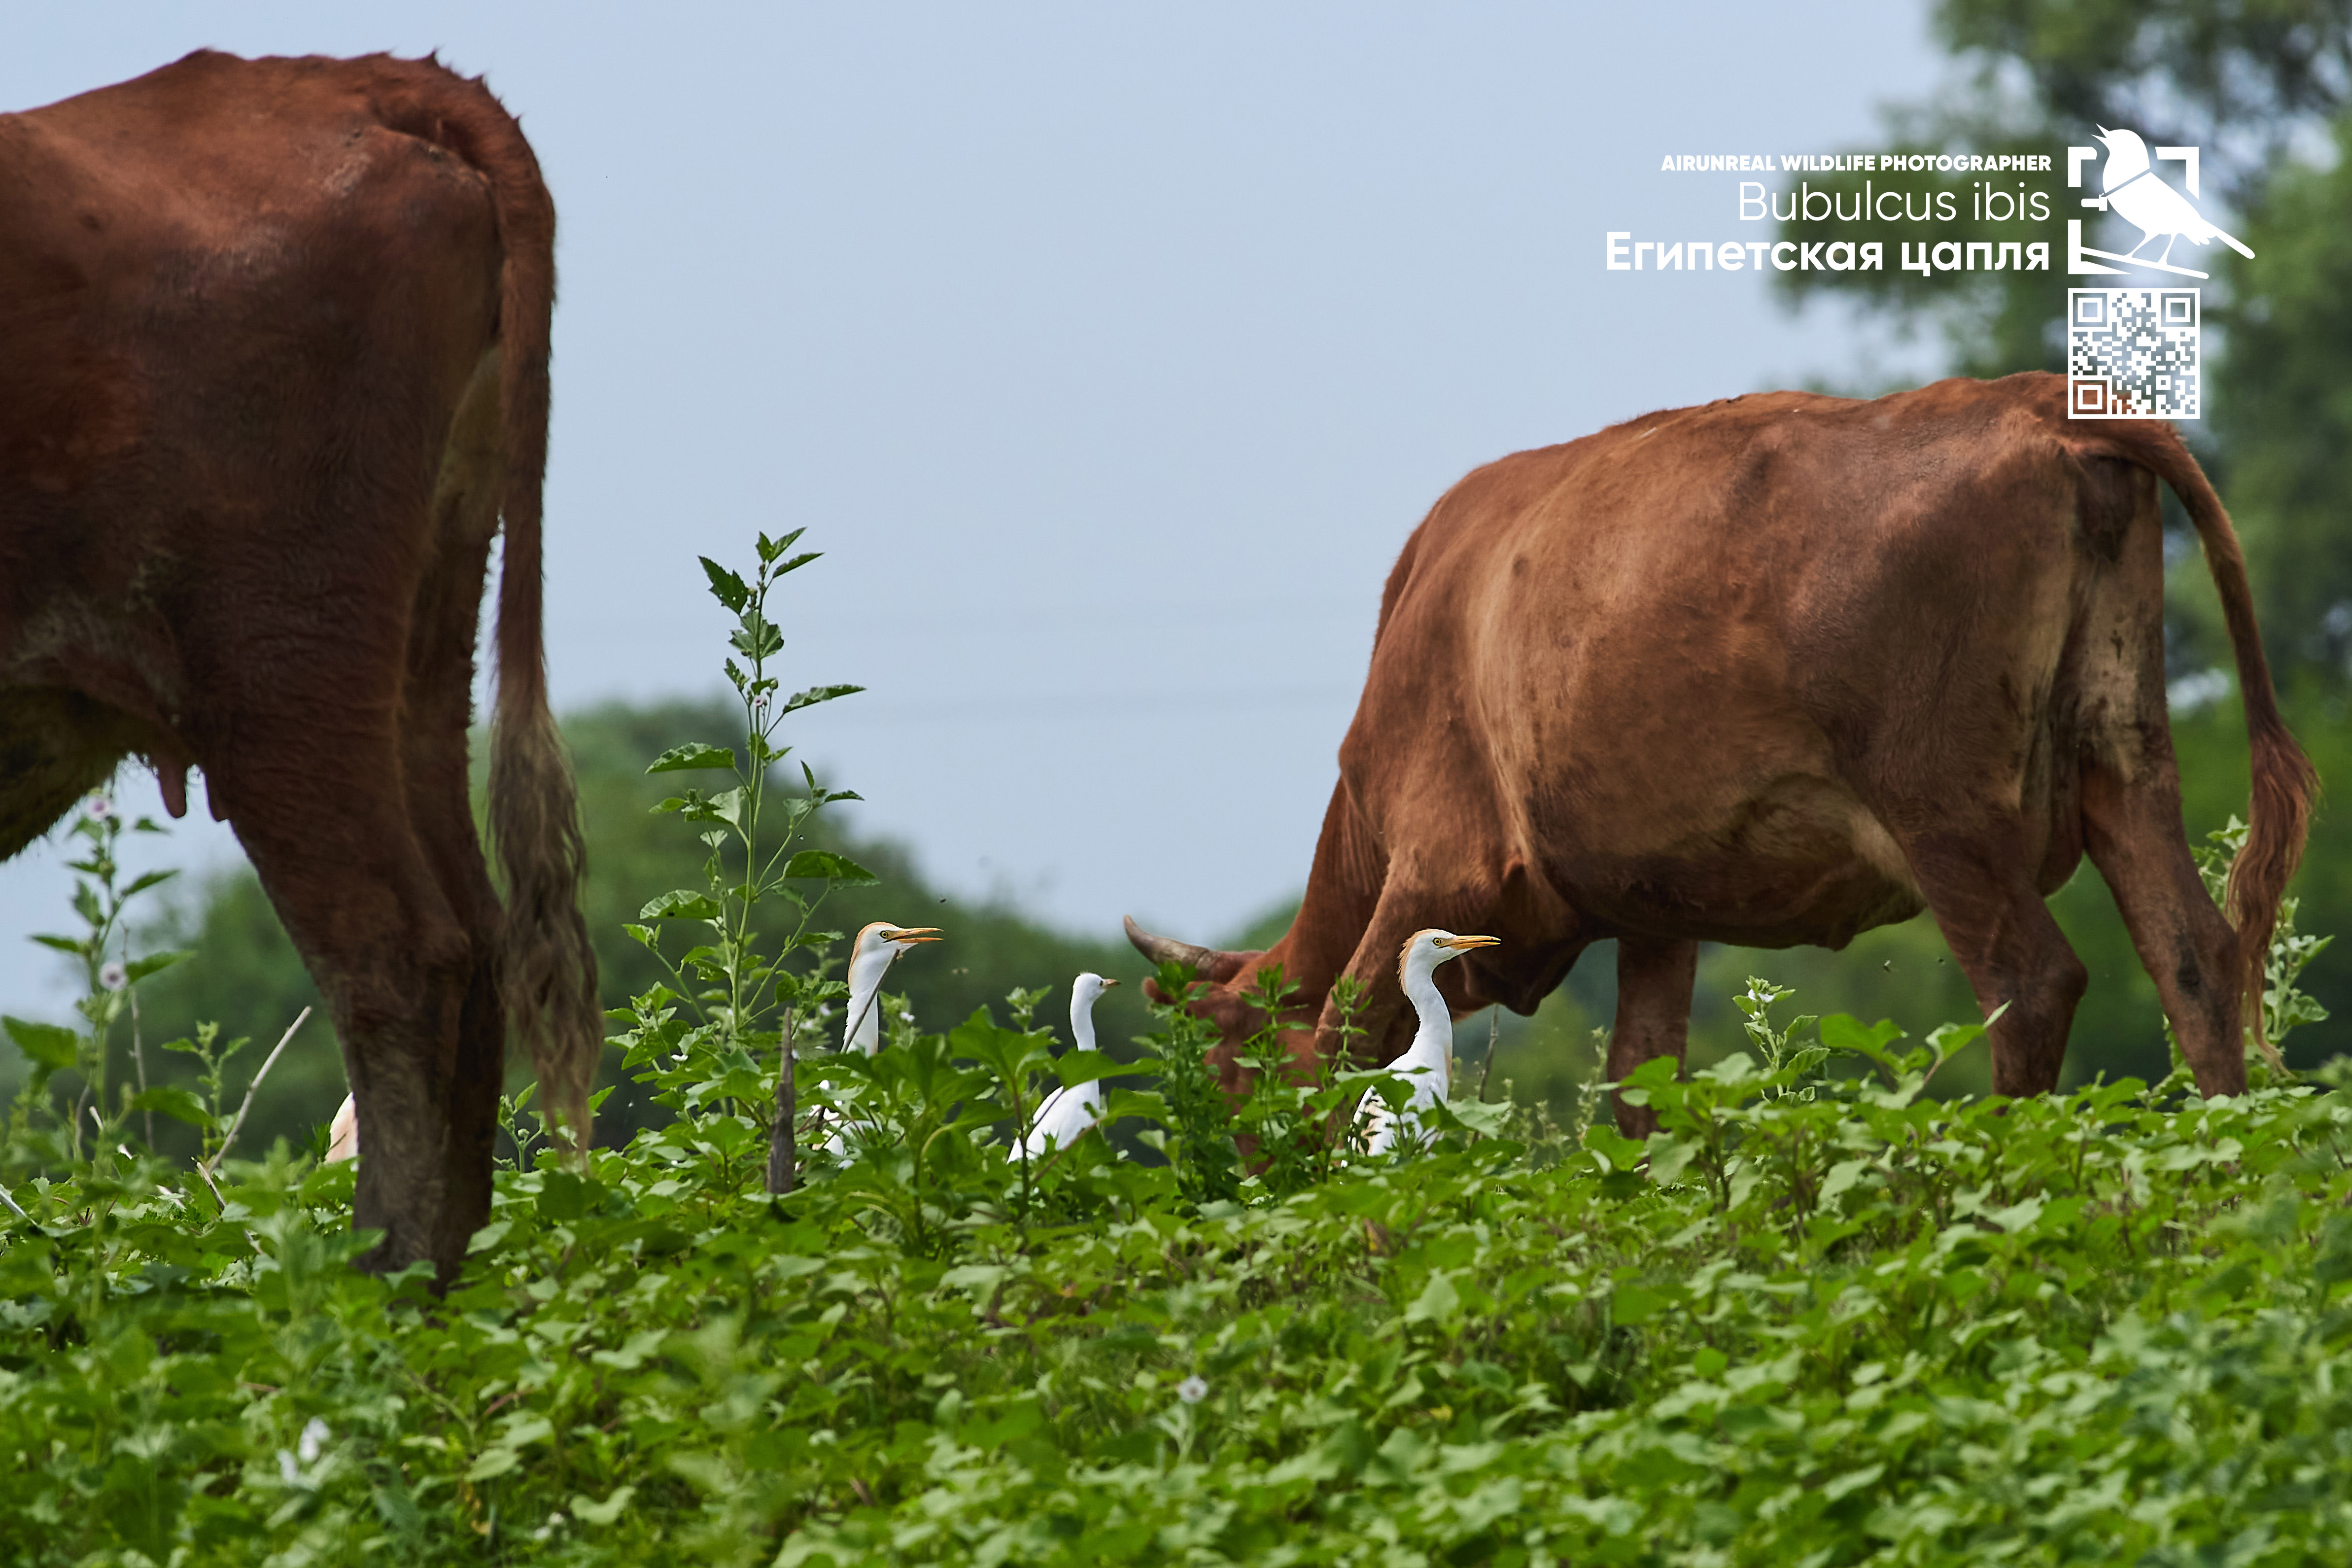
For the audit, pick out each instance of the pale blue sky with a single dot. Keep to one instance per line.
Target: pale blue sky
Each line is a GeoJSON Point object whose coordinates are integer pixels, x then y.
{"type": "Point", "coordinates": [1110, 352]}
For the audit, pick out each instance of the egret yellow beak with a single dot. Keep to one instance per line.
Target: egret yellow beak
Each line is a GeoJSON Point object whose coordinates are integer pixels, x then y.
{"type": "Point", "coordinates": [915, 933]}
{"type": "Point", "coordinates": [1108, 984]}
{"type": "Point", "coordinates": [1465, 944]}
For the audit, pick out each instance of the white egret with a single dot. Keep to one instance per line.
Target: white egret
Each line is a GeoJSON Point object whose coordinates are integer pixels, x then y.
{"type": "Point", "coordinates": [1425, 1062]}
{"type": "Point", "coordinates": [1068, 1111]}
{"type": "Point", "coordinates": [879, 946]}
{"type": "Point", "coordinates": [343, 1135]}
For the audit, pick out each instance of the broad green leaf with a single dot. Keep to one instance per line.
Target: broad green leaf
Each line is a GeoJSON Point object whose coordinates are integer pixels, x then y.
{"type": "Point", "coordinates": [1616, 1151]}
{"type": "Point", "coordinates": [1634, 1304]}
{"type": "Point", "coordinates": [725, 586]}
{"type": "Point", "coordinates": [565, 1196]}
{"type": "Point", "coordinates": [832, 868]}
{"type": "Point", "coordinates": [1439, 1302]}
{"type": "Point", "coordinates": [757, 637]}
{"type": "Point", "coordinates": [139, 968]}
{"type": "Point", "coordinates": [175, 1102]}
{"type": "Point", "coordinates": [815, 695]}
{"type": "Point", "coordinates": [494, 1462]}
{"type": "Point", "coordinates": [693, 754]}
{"type": "Point", "coordinates": [1485, 1119]}
{"type": "Point", "coordinates": [771, 548]}
{"type": "Point", "coordinates": [607, 1513]}
{"type": "Point", "coordinates": [1844, 1177]}
{"type": "Point", "coordinates": [1844, 1032]}
{"type": "Point", "coordinates": [1086, 1067]}
{"type": "Point", "coordinates": [1852, 1481]}
{"type": "Point", "coordinates": [48, 1044]}
{"type": "Point", "coordinates": [684, 904]}
{"type": "Point", "coordinates": [1670, 1156]}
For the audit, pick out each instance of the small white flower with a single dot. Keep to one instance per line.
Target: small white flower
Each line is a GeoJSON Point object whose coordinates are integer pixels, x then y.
{"type": "Point", "coordinates": [99, 807]}
{"type": "Point", "coordinates": [113, 976]}
{"type": "Point", "coordinates": [1193, 1389]}
{"type": "Point", "coordinates": [905, 1017]}
{"type": "Point", "coordinates": [313, 1437]}
{"type": "Point", "coordinates": [287, 1470]}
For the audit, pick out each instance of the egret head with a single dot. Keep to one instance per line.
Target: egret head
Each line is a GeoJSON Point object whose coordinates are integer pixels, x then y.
{"type": "Point", "coordinates": [1423, 950]}
{"type": "Point", "coordinates": [1087, 987]}
{"type": "Point", "coordinates": [880, 944]}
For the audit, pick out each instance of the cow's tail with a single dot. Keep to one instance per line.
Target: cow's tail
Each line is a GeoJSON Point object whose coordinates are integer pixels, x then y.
{"type": "Point", "coordinates": [2278, 815]}
{"type": "Point", "coordinates": [547, 969]}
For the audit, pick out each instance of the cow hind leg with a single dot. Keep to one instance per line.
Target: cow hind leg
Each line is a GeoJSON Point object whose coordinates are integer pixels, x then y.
{"type": "Point", "coordinates": [439, 714]}
{"type": "Point", "coordinates": [2133, 834]}
{"type": "Point", "coordinates": [1654, 976]}
{"type": "Point", "coordinates": [344, 865]}
{"type": "Point", "coordinates": [1982, 894]}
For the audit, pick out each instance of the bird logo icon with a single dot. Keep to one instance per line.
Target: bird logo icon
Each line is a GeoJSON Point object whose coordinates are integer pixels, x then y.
{"type": "Point", "coordinates": [2132, 190]}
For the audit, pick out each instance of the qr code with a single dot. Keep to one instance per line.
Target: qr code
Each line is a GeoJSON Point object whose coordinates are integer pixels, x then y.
{"type": "Point", "coordinates": [2132, 354]}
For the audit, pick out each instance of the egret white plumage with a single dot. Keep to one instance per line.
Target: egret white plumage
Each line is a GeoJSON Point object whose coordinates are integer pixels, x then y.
{"type": "Point", "coordinates": [879, 946]}
{"type": "Point", "coordinates": [343, 1135]}
{"type": "Point", "coordinates": [1425, 1060]}
{"type": "Point", "coordinates": [1068, 1111]}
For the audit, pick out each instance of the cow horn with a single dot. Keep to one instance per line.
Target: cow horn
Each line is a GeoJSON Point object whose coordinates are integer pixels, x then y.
{"type": "Point", "coordinates": [1168, 949]}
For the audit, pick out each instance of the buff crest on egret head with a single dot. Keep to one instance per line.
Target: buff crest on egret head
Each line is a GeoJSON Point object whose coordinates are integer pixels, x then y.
{"type": "Point", "coordinates": [879, 946]}
{"type": "Point", "coordinates": [1424, 1061]}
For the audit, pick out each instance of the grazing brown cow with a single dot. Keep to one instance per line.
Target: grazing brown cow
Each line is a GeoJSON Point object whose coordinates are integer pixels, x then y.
{"type": "Point", "coordinates": [1777, 671]}
{"type": "Point", "coordinates": [273, 365]}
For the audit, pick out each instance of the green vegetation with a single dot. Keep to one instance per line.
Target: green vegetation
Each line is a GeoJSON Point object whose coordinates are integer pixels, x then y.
{"type": "Point", "coordinates": [1822, 1316]}
{"type": "Point", "coordinates": [1834, 1321]}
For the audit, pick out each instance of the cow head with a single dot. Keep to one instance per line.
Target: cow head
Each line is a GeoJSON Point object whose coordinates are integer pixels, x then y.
{"type": "Point", "coordinates": [1224, 994]}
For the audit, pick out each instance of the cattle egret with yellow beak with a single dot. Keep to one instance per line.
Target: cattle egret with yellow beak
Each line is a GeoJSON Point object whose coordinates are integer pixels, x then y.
{"type": "Point", "coordinates": [879, 946]}
{"type": "Point", "coordinates": [1425, 1060]}
{"type": "Point", "coordinates": [1068, 1111]}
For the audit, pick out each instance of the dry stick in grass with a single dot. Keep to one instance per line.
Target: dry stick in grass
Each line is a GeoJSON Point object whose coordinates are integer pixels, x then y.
{"type": "Point", "coordinates": [138, 1055]}
{"type": "Point", "coordinates": [782, 1150]}
{"type": "Point", "coordinates": [250, 1090]}
{"type": "Point", "coordinates": [1493, 1029]}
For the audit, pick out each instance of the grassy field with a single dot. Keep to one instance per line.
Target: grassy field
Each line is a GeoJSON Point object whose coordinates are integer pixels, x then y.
{"type": "Point", "coordinates": [1825, 1316]}
{"type": "Point", "coordinates": [1819, 1319]}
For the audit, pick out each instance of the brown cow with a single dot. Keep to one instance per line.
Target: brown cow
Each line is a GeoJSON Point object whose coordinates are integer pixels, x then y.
{"type": "Point", "coordinates": [276, 342]}
{"type": "Point", "coordinates": [1777, 671]}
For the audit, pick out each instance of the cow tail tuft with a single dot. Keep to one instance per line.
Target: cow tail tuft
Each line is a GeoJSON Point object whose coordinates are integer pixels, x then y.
{"type": "Point", "coordinates": [2278, 813]}
{"type": "Point", "coordinates": [547, 967]}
